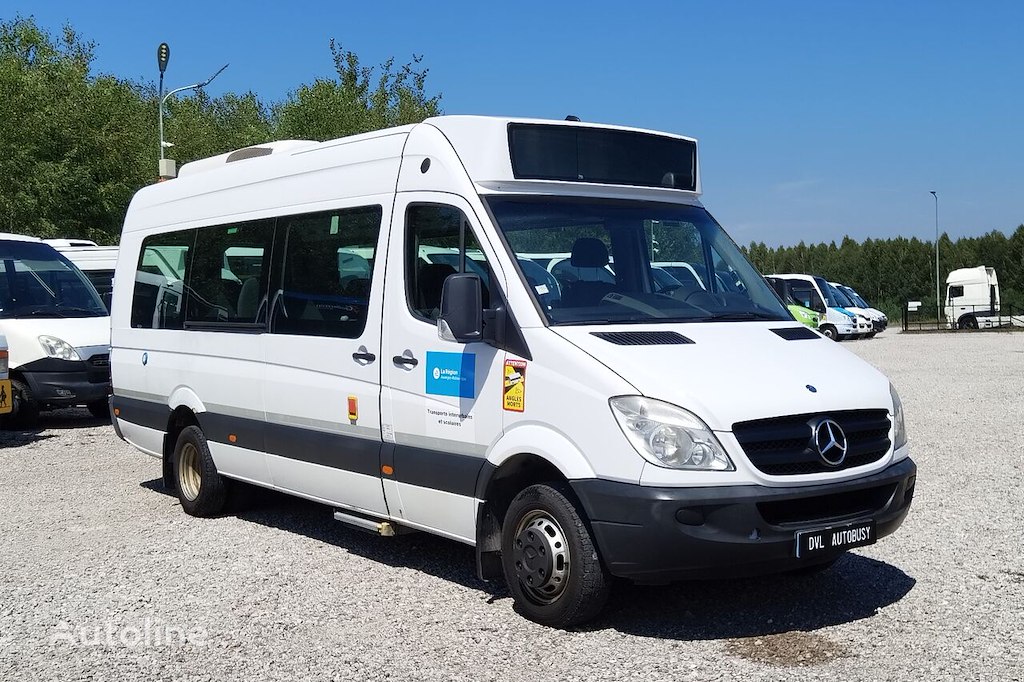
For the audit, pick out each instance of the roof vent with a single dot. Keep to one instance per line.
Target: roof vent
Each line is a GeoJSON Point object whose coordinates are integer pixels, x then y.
{"type": "Point", "coordinates": [256, 151]}
{"type": "Point", "coordinates": [643, 338]}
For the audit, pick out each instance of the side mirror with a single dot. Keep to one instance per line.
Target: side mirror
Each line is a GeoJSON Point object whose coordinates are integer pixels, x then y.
{"type": "Point", "coordinates": [461, 318]}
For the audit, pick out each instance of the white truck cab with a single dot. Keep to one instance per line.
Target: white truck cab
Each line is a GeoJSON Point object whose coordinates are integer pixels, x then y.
{"type": "Point", "coordinates": [623, 428]}
{"type": "Point", "coordinates": [57, 329]}
{"type": "Point", "coordinates": [972, 300]}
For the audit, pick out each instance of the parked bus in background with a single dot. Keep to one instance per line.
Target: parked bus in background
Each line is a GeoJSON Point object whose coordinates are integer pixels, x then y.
{"type": "Point", "coordinates": [96, 262]}
{"type": "Point", "coordinates": [799, 312]}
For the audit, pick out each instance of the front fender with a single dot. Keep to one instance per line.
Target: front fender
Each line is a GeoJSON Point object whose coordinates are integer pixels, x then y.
{"type": "Point", "coordinates": [542, 441]}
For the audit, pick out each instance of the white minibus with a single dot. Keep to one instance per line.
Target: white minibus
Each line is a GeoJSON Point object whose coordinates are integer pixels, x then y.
{"type": "Point", "coordinates": [622, 428]}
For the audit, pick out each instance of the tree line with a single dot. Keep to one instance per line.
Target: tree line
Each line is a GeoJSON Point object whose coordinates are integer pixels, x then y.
{"type": "Point", "coordinates": [76, 145]}
{"type": "Point", "coordinates": [890, 272]}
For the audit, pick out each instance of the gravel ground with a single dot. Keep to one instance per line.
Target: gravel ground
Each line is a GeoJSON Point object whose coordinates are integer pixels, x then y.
{"type": "Point", "coordinates": [103, 577]}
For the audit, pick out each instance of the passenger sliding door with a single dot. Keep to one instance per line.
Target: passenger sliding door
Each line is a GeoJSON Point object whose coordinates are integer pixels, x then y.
{"type": "Point", "coordinates": [323, 356]}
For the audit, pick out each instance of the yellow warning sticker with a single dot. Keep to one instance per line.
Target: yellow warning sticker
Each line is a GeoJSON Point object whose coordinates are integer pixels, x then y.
{"type": "Point", "coordinates": [514, 393]}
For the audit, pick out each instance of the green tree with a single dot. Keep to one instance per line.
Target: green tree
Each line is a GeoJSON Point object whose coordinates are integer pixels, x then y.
{"type": "Point", "coordinates": [355, 102]}
{"type": "Point", "coordinates": [71, 152]}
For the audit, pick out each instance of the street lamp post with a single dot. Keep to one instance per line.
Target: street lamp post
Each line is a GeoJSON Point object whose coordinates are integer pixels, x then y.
{"type": "Point", "coordinates": [163, 54]}
{"type": "Point", "coordinates": [938, 317]}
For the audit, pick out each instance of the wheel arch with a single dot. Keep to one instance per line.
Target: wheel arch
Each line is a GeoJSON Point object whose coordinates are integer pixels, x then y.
{"type": "Point", "coordinates": [181, 417]}
{"type": "Point", "coordinates": [515, 463]}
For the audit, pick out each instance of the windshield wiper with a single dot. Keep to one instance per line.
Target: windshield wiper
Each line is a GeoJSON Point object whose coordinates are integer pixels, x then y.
{"type": "Point", "coordinates": [45, 312]}
{"type": "Point", "coordinates": [740, 316]}
{"type": "Point", "coordinates": [89, 312]}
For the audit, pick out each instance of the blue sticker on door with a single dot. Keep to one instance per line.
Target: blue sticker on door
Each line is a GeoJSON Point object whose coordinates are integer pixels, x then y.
{"type": "Point", "coordinates": [451, 374]}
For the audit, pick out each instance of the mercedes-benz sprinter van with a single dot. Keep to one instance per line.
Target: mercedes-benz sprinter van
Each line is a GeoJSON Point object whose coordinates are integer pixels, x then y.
{"type": "Point", "coordinates": [622, 429]}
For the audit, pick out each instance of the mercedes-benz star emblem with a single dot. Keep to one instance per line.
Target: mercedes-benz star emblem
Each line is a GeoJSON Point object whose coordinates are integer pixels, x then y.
{"type": "Point", "coordinates": [830, 441]}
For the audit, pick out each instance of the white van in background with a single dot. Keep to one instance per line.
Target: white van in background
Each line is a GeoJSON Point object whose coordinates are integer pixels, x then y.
{"type": "Point", "coordinates": [57, 330]}
{"type": "Point", "coordinates": [620, 429]}
{"type": "Point", "coordinates": [96, 262]}
{"type": "Point", "coordinates": [879, 320]}
{"type": "Point", "coordinates": [813, 292]}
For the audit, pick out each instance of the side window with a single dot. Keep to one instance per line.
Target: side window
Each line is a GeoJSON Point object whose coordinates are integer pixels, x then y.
{"type": "Point", "coordinates": [956, 292]}
{"type": "Point", "coordinates": [227, 278]}
{"type": "Point", "coordinates": [324, 288]}
{"type": "Point", "coordinates": [158, 302]}
{"type": "Point", "coordinates": [433, 237]}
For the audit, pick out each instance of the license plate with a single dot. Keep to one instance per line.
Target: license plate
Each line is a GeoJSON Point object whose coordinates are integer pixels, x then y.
{"type": "Point", "coordinates": [834, 539]}
{"type": "Point", "coordinates": [6, 401]}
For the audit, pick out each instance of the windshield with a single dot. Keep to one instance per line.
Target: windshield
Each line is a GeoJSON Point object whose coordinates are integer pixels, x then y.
{"type": "Point", "coordinates": [37, 281]}
{"type": "Point", "coordinates": [630, 261]}
{"type": "Point", "coordinates": [855, 297]}
{"type": "Point", "coordinates": [840, 297]}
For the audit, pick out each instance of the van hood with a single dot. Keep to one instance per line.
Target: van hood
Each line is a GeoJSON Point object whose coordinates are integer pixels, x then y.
{"type": "Point", "coordinates": [87, 335]}
{"type": "Point", "coordinates": [738, 371]}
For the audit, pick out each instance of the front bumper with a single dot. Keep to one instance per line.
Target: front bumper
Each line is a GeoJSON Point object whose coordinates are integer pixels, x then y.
{"type": "Point", "coordinates": [658, 535]}
{"type": "Point", "coordinates": [61, 383]}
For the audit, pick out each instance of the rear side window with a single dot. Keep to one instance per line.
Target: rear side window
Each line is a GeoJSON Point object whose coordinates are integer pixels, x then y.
{"type": "Point", "coordinates": [324, 287]}
{"type": "Point", "coordinates": [160, 280]}
{"type": "Point", "coordinates": [228, 274]}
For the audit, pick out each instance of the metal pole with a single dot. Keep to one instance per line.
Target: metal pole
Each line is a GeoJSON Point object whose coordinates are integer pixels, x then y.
{"type": "Point", "coordinates": [160, 98]}
{"type": "Point", "coordinates": [938, 301]}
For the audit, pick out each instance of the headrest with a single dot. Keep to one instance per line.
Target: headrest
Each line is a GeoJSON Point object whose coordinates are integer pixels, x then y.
{"type": "Point", "coordinates": [589, 252]}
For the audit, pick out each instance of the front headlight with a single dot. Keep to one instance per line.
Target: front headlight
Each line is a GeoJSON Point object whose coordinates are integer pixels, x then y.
{"type": "Point", "coordinates": [58, 348]}
{"type": "Point", "coordinates": [669, 436]}
{"type": "Point", "coordinates": [899, 430]}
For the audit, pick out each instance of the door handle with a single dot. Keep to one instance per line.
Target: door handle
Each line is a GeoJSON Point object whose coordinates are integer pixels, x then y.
{"type": "Point", "coordinates": [363, 356]}
{"type": "Point", "coordinates": [405, 360]}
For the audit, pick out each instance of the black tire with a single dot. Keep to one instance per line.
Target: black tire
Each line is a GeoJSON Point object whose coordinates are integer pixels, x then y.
{"type": "Point", "coordinates": [968, 322]}
{"type": "Point", "coordinates": [550, 561]}
{"type": "Point", "coordinates": [24, 411]}
{"type": "Point", "coordinates": [829, 332]}
{"type": "Point", "coordinates": [870, 336]}
{"type": "Point", "coordinates": [99, 409]}
{"type": "Point", "coordinates": [201, 490]}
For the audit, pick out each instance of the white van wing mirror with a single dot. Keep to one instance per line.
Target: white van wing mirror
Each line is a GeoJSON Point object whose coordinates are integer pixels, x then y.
{"type": "Point", "coordinates": [461, 318]}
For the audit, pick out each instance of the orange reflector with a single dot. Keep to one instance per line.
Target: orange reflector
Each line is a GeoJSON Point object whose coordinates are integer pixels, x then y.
{"type": "Point", "coordinates": [387, 470]}
{"type": "Point", "coordinates": [232, 438]}
{"type": "Point", "coordinates": [117, 411]}
{"type": "Point", "coordinates": [353, 408]}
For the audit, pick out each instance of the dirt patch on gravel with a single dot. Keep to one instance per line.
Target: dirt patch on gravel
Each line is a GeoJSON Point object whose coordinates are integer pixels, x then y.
{"type": "Point", "coordinates": [788, 649]}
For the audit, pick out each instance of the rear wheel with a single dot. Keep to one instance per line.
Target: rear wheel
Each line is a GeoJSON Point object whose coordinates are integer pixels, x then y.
{"type": "Point", "coordinates": [550, 560]}
{"type": "Point", "coordinates": [829, 331]}
{"type": "Point", "coordinates": [201, 489]}
{"type": "Point", "coordinates": [968, 322]}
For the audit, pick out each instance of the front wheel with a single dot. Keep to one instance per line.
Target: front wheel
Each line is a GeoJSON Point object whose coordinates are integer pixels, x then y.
{"type": "Point", "coordinates": [550, 561]}
{"type": "Point", "coordinates": [829, 332]}
{"type": "Point", "coordinates": [99, 409]}
{"type": "Point", "coordinates": [201, 489]}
